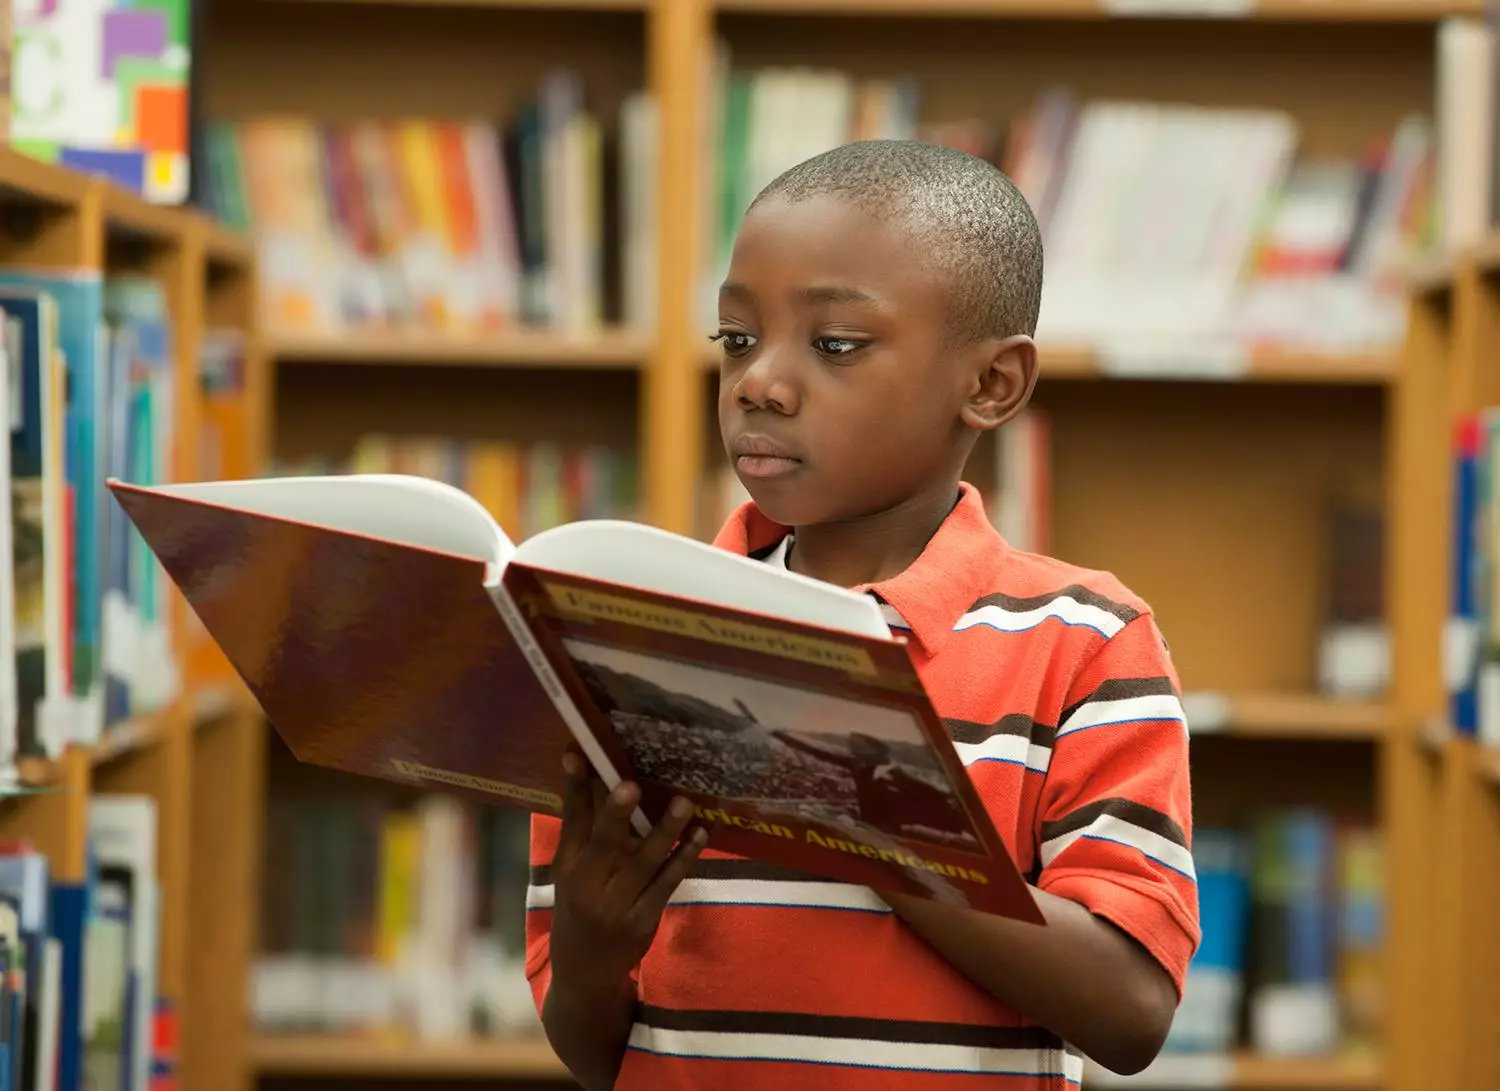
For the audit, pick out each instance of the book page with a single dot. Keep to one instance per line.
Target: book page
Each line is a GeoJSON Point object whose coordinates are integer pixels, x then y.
{"type": "Point", "coordinates": [656, 560]}
{"type": "Point", "coordinates": [411, 510]}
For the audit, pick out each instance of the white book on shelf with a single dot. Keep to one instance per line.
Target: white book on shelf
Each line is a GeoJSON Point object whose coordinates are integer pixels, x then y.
{"type": "Point", "coordinates": [1464, 102]}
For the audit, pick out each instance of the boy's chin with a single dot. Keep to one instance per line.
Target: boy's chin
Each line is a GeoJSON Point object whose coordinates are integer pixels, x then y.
{"type": "Point", "coordinates": [789, 507]}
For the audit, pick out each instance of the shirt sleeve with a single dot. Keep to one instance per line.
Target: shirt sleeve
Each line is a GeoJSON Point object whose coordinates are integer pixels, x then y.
{"type": "Point", "coordinates": [544, 834]}
{"type": "Point", "coordinates": [1115, 813]}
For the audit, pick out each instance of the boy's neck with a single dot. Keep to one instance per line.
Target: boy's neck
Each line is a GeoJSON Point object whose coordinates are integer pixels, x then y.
{"type": "Point", "coordinates": [873, 547]}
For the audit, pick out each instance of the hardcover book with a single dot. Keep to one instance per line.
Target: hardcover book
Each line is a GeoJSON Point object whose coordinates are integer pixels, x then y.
{"type": "Point", "coordinates": [389, 628]}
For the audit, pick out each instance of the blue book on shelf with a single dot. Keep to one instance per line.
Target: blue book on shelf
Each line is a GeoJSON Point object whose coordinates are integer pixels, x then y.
{"type": "Point", "coordinates": [1463, 631]}
{"type": "Point", "coordinates": [79, 299]}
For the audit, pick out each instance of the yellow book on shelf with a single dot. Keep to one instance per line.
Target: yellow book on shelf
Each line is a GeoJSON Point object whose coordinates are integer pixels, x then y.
{"type": "Point", "coordinates": [496, 481]}
{"type": "Point", "coordinates": [400, 840]}
{"type": "Point", "coordinates": [427, 243]}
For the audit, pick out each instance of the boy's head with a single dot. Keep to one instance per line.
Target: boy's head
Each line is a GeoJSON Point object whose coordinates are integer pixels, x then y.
{"type": "Point", "coordinates": [877, 316]}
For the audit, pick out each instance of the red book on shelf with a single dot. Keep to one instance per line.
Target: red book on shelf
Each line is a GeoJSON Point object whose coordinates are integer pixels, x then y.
{"type": "Point", "coordinates": [389, 628]}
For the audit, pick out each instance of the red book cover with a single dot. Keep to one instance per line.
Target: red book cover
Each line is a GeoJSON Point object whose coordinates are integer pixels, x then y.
{"type": "Point", "coordinates": [783, 708]}
{"type": "Point", "coordinates": [368, 656]}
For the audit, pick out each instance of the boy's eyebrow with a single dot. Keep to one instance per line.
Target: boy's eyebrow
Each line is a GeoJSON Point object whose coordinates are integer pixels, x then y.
{"type": "Point", "coordinates": [833, 294]}
{"type": "Point", "coordinates": [830, 294]}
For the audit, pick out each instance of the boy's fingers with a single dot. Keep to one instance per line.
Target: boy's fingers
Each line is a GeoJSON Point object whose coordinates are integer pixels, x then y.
{"type": "Point", "coordinates": [612, 819]}
{"type": "Point", "coordinates": [578, 802]}
{"type": "Point", "coordinates": [655, 897]}
{"type": "Point", "coordinates": [653, 851]}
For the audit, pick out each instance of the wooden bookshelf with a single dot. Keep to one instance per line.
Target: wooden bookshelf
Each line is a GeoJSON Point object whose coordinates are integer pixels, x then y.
{"type": "Point", "coordinates": [56, 219]}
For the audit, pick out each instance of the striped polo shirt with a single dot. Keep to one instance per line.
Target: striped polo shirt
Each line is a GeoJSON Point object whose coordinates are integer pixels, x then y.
{"type": "Point", "coordinates": [1064, 705]}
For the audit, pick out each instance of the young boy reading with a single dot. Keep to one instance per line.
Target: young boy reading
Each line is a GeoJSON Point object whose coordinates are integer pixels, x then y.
{"type": "Point", "coordinates": [878, 316]}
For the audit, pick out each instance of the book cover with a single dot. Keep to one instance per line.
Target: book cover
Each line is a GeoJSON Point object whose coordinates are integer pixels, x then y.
{"type": "Point", "coordinates": [797, 745]}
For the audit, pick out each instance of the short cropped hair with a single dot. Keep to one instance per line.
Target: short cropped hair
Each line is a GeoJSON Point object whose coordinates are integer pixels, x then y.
{"type": "Point", "coordinates": [973, 217]}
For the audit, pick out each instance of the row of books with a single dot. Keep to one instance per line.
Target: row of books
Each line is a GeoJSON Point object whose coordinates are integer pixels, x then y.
{"type": "Point", "coordinates": [1166, 225]}
{"type": "Point", "coordinates": [79, 1004]}
{"type": "Point", "coordinates": [457, 225]}
{"type": "Point", "coordinates": [89, 394]}
{"type": "Point", "coordinates": [1472, 650]}
{"type": "Point", "coordinates": [1292, 910]}
{"type": "Point", "coordinates": [527, 488]}
{"type": "Point", "coordinates": [384, 915]}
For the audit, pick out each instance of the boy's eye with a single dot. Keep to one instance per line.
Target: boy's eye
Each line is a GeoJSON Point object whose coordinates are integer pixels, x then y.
{"type": "Point", "coordinates": [735, 343]}
{"type": "Point", "coordinates": [837, 346]}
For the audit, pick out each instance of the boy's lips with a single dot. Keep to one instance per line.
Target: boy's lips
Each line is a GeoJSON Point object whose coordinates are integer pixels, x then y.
{"type": "Point", "coordinates": [763, 457]}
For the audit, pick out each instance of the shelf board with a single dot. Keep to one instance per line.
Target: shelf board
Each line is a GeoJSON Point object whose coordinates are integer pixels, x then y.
{"type": "Point", "coordinates": [311, 1055]}
{"type": "Point", "coordinates": [1284, 715]}
{"type": "Point", "coordinates": [130, 737]}
{"type": "Point", "coordinates": [210, 705]}
{"type": "Point", "coordinates": [130, 216]}
{"type": "Point", "coordinates": [1302, 11]}
{"type": "Point", "coordinates": [518, 348]}
{"type": "Point", "coordinates": [1335, 11]}
{"type": "Point", "coordinates": [1489, 763]}
{"type": "Point", "coordinates": [1264, 365]}
{"type": "Point", "coordinates": [1431, 277]}
{"type": "Point", "coordinates": [1247, 1072]}
{"type": "Point", "coordinates": [25, 178]}
{"type": "Point", "coordinates": [518, 5]}
{"type": "Point", "coordinates": [226, 247]}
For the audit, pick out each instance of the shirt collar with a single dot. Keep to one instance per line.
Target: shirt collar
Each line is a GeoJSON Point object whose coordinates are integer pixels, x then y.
{"type": "Point", "coordinates": [952, 573]}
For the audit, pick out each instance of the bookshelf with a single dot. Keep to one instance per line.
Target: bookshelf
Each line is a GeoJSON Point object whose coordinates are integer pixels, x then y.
{"type": "Point", "coordinates": [1236, 455]}
{"type": "Point", "coordinates": [53, 219]}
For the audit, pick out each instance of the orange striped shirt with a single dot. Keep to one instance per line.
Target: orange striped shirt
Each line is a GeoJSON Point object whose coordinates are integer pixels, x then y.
{"type": "Point", "coordinates": [1065, 708]}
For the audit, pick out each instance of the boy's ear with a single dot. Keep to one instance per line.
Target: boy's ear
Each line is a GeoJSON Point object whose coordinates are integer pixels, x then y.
{"type": "Point", "coordinates": [1002, 384]}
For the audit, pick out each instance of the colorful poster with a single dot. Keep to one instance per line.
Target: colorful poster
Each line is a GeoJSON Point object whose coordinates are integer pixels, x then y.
{"type": "Point", "coordinates": [102, 86]}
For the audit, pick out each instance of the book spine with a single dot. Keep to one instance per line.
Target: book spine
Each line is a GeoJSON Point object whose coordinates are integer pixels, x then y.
{"type": "Point", "coordinates": [567, 708]}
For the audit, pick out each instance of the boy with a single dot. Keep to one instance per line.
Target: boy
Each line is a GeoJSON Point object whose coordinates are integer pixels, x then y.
{"type": "Point", "coordinates": [877, 316]}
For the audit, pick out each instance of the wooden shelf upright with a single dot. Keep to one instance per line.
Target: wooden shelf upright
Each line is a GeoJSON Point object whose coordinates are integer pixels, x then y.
{"type": "Point", "coordinates": [1446, 975]}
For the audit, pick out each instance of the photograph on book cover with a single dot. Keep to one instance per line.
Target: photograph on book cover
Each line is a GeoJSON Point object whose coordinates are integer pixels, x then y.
{"type": "Point", "coordinates": [786, 749]}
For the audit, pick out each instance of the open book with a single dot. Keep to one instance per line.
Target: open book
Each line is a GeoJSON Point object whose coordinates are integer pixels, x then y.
{"type": "Point", "coordinates": [388, 627]}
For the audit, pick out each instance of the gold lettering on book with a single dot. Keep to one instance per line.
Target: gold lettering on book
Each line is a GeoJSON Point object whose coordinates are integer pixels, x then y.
{"type": "Point", "coordinates": [728, 818]}
{"type": "Point", "coordinates": [599, 606]}
{"type": "Point", "coordinates": [532, 797]}
{"type": "Point", "coordinates": [896, 856]}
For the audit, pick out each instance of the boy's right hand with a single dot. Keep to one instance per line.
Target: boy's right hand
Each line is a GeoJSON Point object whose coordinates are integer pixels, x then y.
{"type": "Point", "coordinates": [610, 887]}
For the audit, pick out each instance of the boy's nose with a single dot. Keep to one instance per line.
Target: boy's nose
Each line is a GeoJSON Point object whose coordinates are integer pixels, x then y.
{"type": "Point", "coordinates": [763, 386]}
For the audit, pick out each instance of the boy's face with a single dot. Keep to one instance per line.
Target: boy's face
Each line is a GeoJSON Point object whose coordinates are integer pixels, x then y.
{"type": "Point", "coordinates": [842, 392]}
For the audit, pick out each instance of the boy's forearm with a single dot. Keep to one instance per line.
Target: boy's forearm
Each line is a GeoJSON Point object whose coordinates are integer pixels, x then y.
{"type": "Point", "coordinates": [1079, 977]}
{"type": "Point", "coordinates": [589, 1027]}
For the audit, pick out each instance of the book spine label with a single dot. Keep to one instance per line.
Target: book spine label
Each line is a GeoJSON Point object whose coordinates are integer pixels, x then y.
{"type": "Point", "coordinates": [567, 708]}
